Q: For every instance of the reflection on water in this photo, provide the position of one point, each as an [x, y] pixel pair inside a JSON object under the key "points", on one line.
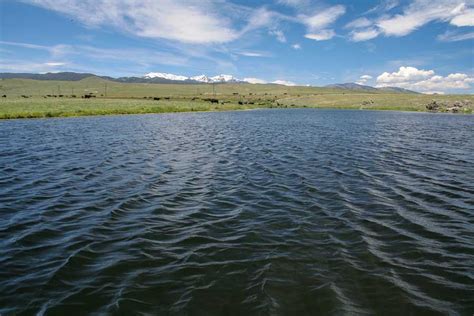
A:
{"points": [[261, 212]]}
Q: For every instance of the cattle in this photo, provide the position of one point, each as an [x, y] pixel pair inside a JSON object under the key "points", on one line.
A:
{"points": [[211, 100]]}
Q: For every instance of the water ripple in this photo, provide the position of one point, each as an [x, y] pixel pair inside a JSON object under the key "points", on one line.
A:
{"points": [[264, 212]]}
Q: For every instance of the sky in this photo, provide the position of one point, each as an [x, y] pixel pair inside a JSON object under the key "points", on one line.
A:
{"points": [[423, 45]]}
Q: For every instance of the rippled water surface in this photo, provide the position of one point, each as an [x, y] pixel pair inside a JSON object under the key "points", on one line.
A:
{"points": [[281, 212]]}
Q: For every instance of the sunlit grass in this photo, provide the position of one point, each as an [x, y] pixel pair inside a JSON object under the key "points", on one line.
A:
{"points": [[28, 98]]}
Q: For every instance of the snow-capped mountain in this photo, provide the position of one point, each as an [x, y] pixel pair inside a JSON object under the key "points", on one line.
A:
{"points": [[201, 78], [215, 79], [163, 75], [224, 78]]}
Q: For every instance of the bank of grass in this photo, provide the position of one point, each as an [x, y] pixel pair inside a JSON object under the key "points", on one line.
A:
{"points": [[12, 108], [396, 102], [37, 99], [41, 108]]}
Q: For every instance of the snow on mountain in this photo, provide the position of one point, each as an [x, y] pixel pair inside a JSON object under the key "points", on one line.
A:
{"points": [[284, 82], [152, 75], [254, 80], [224, 78], [201, 78], [215, 79]]}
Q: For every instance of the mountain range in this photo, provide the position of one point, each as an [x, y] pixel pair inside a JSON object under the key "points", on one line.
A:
{"points": [[158, 77], [364, 88]]}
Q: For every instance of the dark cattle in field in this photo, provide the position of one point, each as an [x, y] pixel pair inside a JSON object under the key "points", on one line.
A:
{"points": [[212, 100], [156, 99], [4, 96]]}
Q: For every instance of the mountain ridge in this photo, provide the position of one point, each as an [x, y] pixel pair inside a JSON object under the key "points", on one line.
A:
{"points": [[356, 86], [166, 78]]}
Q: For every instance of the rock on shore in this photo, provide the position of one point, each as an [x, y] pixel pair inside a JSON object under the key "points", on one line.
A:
{"points": [[450, 106]]}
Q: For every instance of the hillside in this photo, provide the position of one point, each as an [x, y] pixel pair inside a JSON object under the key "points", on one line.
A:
{"points": [[64, 76], [27, 98], [164, 78], [359, 87]]}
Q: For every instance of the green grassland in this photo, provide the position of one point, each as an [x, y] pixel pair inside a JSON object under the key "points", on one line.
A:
{"points": [[29, 98]]}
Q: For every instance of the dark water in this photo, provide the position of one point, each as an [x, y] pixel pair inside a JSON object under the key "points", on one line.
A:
{"points": [[281, 212]]}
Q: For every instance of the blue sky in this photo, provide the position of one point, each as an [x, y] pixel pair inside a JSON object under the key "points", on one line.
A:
{"points": [[419, 44]]}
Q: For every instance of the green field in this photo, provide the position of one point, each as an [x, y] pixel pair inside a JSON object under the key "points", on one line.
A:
{"points": [[43, 98]]}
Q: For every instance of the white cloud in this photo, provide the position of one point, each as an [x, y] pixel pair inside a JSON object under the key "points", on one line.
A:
{"points": [[405, 74], [36, 67], [296, 46], [364, 35], [464, 19], [55, 64], [424, 80], [415, 15], [284, 82], [255, 80], [318, 24], [358, 23], [252, 54], [70, 52], [363, 79], [280, 36], [384, 6], [189, 21], [421, 12], [293, 3], [258, 18], [455, 37], [322, 35]]}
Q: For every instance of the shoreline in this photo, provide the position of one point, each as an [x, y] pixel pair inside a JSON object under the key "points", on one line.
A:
{"points": [[186, 111]]}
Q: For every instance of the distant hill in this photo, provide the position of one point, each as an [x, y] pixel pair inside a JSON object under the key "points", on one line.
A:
{"points": [[176, 79], [351, 86], [62, 76], [149, 78], [396, 89], [359, 87]]}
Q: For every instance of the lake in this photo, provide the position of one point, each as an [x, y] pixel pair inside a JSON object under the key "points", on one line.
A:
{"points": [[281, 212]]}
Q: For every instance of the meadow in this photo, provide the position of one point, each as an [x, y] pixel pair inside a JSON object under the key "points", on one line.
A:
{"points": [[25, 98]]}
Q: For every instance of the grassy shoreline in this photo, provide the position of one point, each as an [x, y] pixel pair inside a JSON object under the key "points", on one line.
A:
{"points": [[26, 98], [41, 108]]}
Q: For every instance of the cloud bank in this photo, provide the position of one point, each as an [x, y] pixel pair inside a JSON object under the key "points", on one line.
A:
{"points": [[424, 80]]}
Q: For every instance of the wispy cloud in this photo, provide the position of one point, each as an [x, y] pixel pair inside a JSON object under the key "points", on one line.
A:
{"points": [[253, 54], [185, 21], [450, 36], [414, 16], [296, 46], [363, 79], [280, 36], [36, 67], [143, 56], [318, 24], [384, 6]]}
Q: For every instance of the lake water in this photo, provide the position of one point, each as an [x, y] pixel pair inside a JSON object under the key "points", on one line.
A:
{"points": [[281, 212]]}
